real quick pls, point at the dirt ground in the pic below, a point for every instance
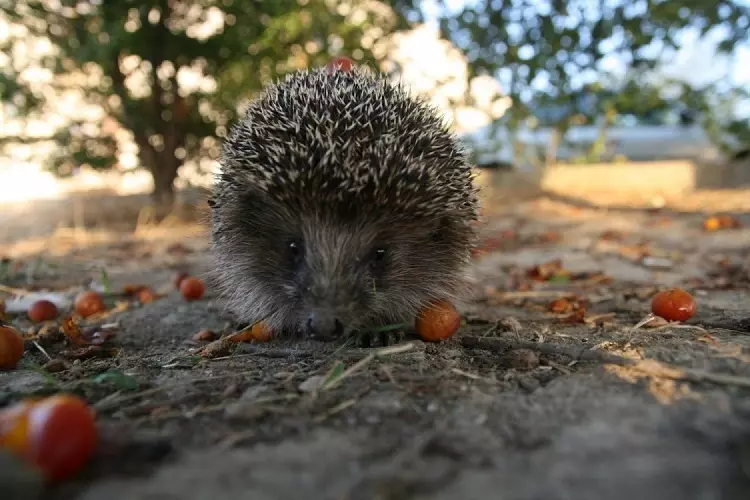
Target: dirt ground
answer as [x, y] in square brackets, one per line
[522, 403]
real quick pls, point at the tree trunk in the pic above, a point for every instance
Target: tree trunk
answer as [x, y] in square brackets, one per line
[163, 195]
[163, 166]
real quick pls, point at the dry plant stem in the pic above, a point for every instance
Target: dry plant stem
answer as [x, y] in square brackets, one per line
[13, 291]
[648, 366]
[43, 351]
[532, 294]
[108, 402]
[647, 319]
[385, 351]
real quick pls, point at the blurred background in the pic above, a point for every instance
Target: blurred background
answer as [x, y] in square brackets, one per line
[116, 109]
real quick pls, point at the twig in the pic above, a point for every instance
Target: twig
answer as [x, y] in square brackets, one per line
[648, 366]
[385, 351]
[472, 376]
[211, 408]
[336, 409]
[13, 291]
[647, 319]
[531, 294]
[334, 382]
[49, 358]
[396, 349]
[109, 402]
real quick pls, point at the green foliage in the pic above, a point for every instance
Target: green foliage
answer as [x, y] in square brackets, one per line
[101, 47]
[553, 53]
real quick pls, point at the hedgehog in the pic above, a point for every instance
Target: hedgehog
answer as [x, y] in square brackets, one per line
[343, 202]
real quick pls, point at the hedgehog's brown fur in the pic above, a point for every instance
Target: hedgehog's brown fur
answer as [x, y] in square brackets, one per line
[341, 195]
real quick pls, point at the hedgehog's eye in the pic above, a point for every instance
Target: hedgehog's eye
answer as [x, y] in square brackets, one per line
[379, 254]
[296, 250]
[378, 258]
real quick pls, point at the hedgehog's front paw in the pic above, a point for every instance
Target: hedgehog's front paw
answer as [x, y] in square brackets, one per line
[382, 338]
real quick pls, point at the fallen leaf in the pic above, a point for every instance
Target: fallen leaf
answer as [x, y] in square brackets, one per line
[73, 331]
[102, 337]
[119, 379]
[92, 351]
[561, 305]
[577, 317]
[708, 339]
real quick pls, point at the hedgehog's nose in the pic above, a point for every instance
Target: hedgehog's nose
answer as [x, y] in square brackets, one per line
[323, 326]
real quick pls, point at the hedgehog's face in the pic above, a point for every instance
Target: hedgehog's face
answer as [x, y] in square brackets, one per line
[326, 276]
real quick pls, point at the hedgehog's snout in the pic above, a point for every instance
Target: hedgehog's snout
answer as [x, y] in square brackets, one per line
[324, 326]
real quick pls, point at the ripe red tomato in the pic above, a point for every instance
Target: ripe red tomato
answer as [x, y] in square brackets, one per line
[57, 434]
[89, 303]
[340, 63]
[192, 288]
[11, 347]
[42, 310]
[178, 278]
[438, 321]
[673, 305]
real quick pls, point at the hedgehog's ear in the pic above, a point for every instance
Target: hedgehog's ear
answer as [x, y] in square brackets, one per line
[212, 202]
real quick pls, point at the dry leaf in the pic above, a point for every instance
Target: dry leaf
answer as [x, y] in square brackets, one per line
[73, 331]
[92, 351]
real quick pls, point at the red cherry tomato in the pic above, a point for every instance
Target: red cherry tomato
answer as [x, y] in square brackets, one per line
[340, 63]
[673, 305]
[11, 347]
[192, 288]
[42, 310]
[438, 321]
[56, 434]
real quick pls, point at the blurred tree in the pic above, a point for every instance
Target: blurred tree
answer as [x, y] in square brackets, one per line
[170, 74]
[552, 54]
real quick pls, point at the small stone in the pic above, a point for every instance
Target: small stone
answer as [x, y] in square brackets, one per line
[55, 365]
[528, 383]
[521, 359]
[204, 335]
[312, 384]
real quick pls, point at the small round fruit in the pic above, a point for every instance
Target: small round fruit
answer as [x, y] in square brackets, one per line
[561, 305]
[438, 321]
[178, 279]
[673, 305]
[42, 310]
[14, 427]
[62, 435]
[204, 335]
[192, 288]
[147, 295]
[11, 347]
[259, 332]
[340, 63]
[712, 224]
[89, 303]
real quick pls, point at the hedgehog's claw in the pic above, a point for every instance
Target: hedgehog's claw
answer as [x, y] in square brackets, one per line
[379, 339]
